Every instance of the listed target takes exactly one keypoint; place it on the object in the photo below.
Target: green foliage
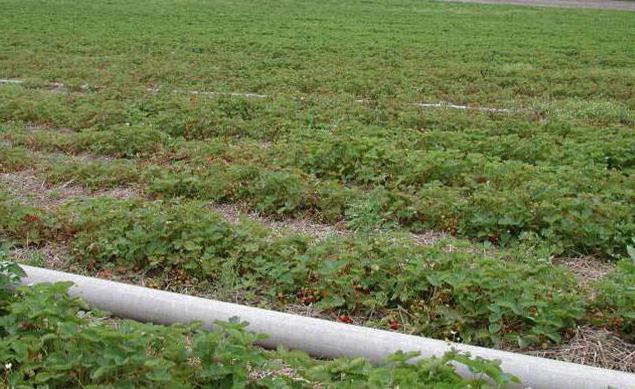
(10, 274)
(448, 295)
(121, 142)
(487, 200)
(478, 197)
(271, 192)
(347, 142)
(24, 224)
(50, 339)
(486, 196)
(397, 371)
(13, 158)
(93, 174)
(134, 234)
(47, 342)
(615, 299)
(455, 296)
(279, 192)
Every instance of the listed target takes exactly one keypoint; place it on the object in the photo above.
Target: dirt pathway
(622, 5)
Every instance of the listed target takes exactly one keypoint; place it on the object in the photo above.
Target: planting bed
(358, 161)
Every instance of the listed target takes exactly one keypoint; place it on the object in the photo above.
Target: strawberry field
(457, 171)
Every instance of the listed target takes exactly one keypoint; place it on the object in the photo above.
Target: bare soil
(594, 347)
(26, 185)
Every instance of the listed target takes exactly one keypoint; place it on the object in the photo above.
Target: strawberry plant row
(51, 340)
(370, 183)
(495, 298)
(455, 295)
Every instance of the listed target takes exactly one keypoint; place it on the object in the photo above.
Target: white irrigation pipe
(212, 94)
(463, 107)
(204, 93)
(455, 106)
(57, 86)
(258, 96)
(317, 337)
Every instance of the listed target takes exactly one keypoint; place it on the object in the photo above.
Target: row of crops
(500, 288)
(52, 340)
(508, 296)
(570, 189)
(309, 112)
(510, 201)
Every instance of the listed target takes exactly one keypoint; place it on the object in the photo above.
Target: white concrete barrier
(317, 337)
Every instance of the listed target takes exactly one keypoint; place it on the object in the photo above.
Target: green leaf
(494, 328)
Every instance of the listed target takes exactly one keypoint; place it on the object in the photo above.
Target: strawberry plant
(13, 158)
(121, 142)
(93, 174)
(456, 190)
(448, 295)
(615, 301)
(50, 339)
(529, 157)
(23, 224)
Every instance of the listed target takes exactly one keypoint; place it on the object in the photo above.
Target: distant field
(624, 5)
(459, 171)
